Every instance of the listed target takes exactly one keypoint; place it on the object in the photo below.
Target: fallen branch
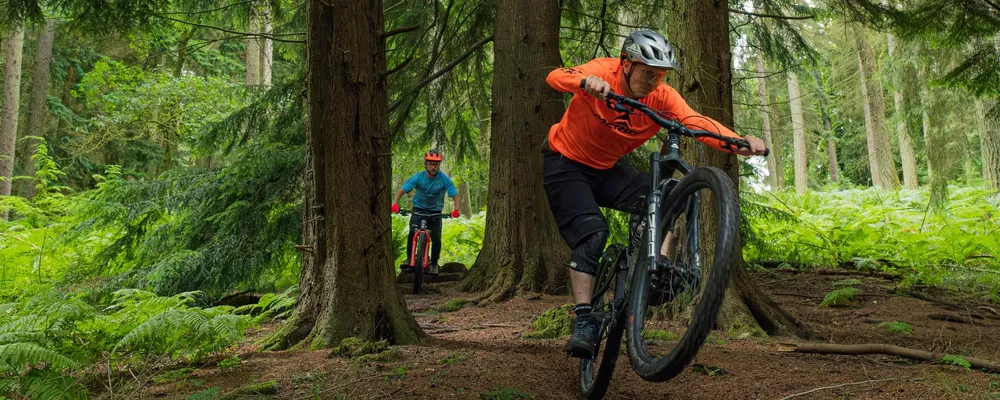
(990, 309)
(861, 349)
(934, 300)
(837, 386)
(951, 318)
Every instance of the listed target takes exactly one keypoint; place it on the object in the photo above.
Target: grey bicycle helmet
(651, 48)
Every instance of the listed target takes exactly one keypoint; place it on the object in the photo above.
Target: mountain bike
(664, 289)
(420, 260)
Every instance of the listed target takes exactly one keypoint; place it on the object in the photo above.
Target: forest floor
(482, 353)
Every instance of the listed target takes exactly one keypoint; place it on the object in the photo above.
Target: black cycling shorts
(576, 192)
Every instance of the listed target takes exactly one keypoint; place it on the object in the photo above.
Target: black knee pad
(587, 254)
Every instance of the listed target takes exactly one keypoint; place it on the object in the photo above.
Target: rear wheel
(420, 258)
(595, 375)
(672, 310)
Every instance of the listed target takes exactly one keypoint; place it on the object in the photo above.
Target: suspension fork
(653, 212)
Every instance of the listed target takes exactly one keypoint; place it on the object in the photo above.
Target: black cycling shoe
(583, 342)
(433, 270)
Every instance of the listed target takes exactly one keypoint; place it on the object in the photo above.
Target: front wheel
(595, 375)
(673, 307)
(420, 261)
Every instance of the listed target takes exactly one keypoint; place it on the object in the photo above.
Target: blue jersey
(430, 191)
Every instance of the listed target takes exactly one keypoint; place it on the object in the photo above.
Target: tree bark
(11, 102)
(777, 139)
(253, 53)
(182, 50)
(38, 113)
(799, 132)
(936, 155)
(989, 142)
(267, 56)
(706, 84)
(907, 155)
(522, 248)
(831, 139)
(463, 191)
(765, 122)
(347, 285)
(880, 150)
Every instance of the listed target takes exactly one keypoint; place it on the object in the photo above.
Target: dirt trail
(481, 350)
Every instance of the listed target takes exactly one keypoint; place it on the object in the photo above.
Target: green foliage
(554, 323)
(454, 305)
(40, 336)
(230, 362)
(659, 334)
(271, 306)
(956, 361)
(505, 393)
(897, 327)
(847, 282)
(364, 352)
(890, 232)
(452, 359)
(840, 297)
(207, 394)
(708, 370)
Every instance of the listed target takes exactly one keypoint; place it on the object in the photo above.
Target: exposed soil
(477, 350)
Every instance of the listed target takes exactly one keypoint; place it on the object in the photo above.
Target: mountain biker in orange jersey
(581, 167)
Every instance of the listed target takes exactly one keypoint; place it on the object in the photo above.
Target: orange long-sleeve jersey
(593, 134)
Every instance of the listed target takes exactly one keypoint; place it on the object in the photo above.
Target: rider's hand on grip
(454, 213)
(595, 86)
(395, 208)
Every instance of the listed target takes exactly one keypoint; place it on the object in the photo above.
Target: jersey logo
(621, 124)
(572, 71)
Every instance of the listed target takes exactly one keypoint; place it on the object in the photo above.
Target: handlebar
(405, 212)
(624, 104)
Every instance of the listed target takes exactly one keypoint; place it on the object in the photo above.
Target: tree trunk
(799, 131)
(182, 51)
(880, 150)
(968, 166)
(765, 123)
(989, 142)
(777, 140)
(906, 153)
(253, 50)
(347, 286)
(925, 118)
(267, 58)
(831, 139)
(937, 156)
(463, 191)
(38, 113)
(522, 248)
(706, 84)
(11, 102)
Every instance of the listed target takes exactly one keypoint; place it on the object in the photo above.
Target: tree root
(861, 349)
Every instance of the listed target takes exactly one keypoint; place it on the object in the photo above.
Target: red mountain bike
(420, 246)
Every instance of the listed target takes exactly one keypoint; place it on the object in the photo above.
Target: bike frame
(422, 230)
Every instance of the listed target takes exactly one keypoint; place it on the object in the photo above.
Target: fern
(43, 385)
(15, 356)
(840, 297)
(897, 327)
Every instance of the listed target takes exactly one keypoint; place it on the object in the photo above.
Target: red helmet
(432, 155)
